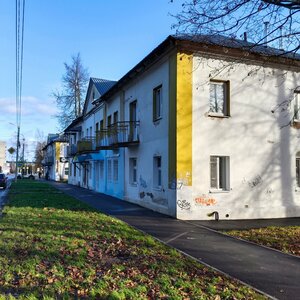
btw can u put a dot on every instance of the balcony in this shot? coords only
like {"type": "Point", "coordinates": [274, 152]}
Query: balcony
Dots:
{"type": "Point", "coordinates": [87, 144]}
{"type": "Point", "coordinates": [120, 134]}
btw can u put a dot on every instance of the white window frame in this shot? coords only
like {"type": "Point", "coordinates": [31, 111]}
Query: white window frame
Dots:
{"type": "Point", "coordinates": [222, 168]}
{"type": "Point", "coordinates": [225, 109]}
{"type": "Point", "coordinates": [115, 170]}
{"type": "Point", "coordinates": [157, 172]}
{"type": "Point", "coordinates": [157, 103]}
{"type": "Point", "coordinates": [109, 170]}
{"type": "Point", "coordinates": [296, 106]}
{"type": "Point", "coordinates": [297, 169]}
{"type": "Point", "coordinates": [133, 171]}
{"type": "Point", "coordinates": [101, 169]}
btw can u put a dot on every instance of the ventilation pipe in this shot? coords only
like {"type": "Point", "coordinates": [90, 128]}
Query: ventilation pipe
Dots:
{"type": "Point", "coordinates": [266, 33]}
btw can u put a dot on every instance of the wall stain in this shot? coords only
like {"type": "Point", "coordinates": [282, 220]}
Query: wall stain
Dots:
{"type": "Point", "coordinates": [143, 183]}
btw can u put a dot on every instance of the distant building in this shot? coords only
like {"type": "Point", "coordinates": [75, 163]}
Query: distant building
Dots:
{"type": "Point", "coordinates": [56, 167]}
{"type": "Point", "coordinates": [2, 156]}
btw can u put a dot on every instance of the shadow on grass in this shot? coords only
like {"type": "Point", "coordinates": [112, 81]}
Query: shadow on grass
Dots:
{"type": "Point", "coordinates": [38, 194]}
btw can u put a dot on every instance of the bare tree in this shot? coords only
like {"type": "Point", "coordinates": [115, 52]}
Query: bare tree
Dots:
{"type": "Point", "coordinates": [71, 99]}
{"type": "Point", "coordinates": [40, 144]}
{"type": "Point", "coordinates": [261, 22]}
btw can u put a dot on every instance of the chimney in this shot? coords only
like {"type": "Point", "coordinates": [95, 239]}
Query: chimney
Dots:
{"type": "Point", "coordinates": [245, 36]}
{"type": "Point", "coordinates": [266, 33]}
{"type": "Point", "coordinates": [280, 39]}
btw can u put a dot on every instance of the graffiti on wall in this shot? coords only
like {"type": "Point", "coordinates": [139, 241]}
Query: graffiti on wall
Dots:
{"type": "Point", "coordinates": [178, 184]}
{"type": "Point", "coordinates": [143, 182]}
{"type": "Point", "coordinates": [205, 200]}
{"type": "Point", "coordinates": [184, 204]}
{"type": "Point", "coordinates": [255, 181]}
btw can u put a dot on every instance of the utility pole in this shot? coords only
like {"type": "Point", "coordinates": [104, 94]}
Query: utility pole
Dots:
{"type": "Point", "coordinates": [17, 154]}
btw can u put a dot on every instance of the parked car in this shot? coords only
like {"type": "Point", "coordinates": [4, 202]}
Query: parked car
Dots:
{"type": "Point", "coordinates": [28, 176]}
{"type": "Point", "coordinates": [3, 180]}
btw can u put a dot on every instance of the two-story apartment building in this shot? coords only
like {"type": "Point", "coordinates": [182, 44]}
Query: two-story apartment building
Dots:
{"type": "Point", "coordinates": [56, 165]}
{"type": "Point", "coordinates": [201, 128]}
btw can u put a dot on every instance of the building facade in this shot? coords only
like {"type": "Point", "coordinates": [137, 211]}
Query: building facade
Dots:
{"type": "Point", "coordinates": [55, 163]}
{"type": "Point", "coordinates": [199, 129]}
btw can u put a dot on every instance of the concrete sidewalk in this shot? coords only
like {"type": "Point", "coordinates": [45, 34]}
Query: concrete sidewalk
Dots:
{"type": "Point", "coordinates": [275, 273]}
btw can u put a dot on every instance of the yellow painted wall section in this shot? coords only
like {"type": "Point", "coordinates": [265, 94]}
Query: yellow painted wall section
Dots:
{"type": "Point", "coordinates": [57, 150]}
{"type": "Point", "coordinates": [184, 118]}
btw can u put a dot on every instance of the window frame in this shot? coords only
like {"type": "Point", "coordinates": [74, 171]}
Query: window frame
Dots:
{"type": "Point", "coordinates": [157, 172]}
{"type": "Point", "coordinates": [296, 103]}
{"type": "Point", "coordinates": [226, 110]}
{"type": "Point", "coordinates": [297, 169]}
{"type": "Point", "coordinates": [222, 184]}
{"type": "Point", "coordinates": [115, 168]}
{"type": "Point", "coordinates": [133, 171]}
{"type": "Point", "coordinates": [155, 115]}
{"type": "Point", "coordinates": [109, 171]}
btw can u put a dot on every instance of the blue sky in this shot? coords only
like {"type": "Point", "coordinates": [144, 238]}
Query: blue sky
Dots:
{"type": "Point", "coordinates": [111, 36]}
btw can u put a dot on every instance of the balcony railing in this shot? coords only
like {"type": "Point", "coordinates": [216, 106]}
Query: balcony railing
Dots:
{"type": "Point", "coordinates": [119, 134]}
{"type": "Point", "coordinates": [86, 144]}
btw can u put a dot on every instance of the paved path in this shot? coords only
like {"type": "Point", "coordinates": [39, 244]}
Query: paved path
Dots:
{"type": "Point", "coordinates": [272, 272]}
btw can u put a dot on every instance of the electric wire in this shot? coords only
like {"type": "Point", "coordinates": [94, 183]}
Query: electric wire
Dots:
{"type": "Point", "coordinates": [20, 20]}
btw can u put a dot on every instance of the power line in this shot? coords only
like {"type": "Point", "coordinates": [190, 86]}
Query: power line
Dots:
{"type": "Point", "coordinates": [19, 68]}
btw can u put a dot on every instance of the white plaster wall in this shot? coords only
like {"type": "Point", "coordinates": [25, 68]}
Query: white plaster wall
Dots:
{"type": "Point", "coordinates": [261, 145]}
{"type": "Point", "coordinates": [114, 105]}
{"type": "Point", "coordinates": [153, 142]}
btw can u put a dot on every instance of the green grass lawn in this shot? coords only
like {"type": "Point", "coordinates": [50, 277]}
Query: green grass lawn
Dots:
{"type": "Point", "coordinates": [285, 239]}
{"type": "Point", "coordinates": [55, 247]}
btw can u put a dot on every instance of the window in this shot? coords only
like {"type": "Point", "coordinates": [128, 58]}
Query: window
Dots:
{"type": "Point", "coordinates": [67, 171]}
{"type": "Point", "coordinates": [297, 106]}
{"type": "Point", "coordinates": [116, 117]}
{"type": "Point", "coordinates": [74, 169]}
{"type": "Point", "coordinates": [157, 172]}
{"type": "Point", "coordinates": [157, 103]}
{"type": "Point", "coordinates": [116, 169]}
{"type": "Point", "coordinates": [298, 169]}
{"type": "Point", "coordinates": [101, 125]}
{"type": "Point", "coordinates": [109, 171]}
{"type": "Point", "coordinates": [101, 162]}
{"type": "Point", "coordinates": [219, 173]}
{"type": "Point", "coordinates": [108, 121]}
{"type": "Point", "coordinates": [219, 98]}
{"type": "Point", "coordinates": [133, 170]}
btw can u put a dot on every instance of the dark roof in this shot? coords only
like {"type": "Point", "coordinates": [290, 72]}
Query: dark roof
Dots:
{"type": "Point", "coordinates": [72, 126]}
{"type": "Point", "coordinates": [102, 85]}
{"type": "Point", "coordinates": [229, 42]}
{"type": "Point", "coordinates": [206, 43]}
{"type": "Point", "coordinates": [53, 138]}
